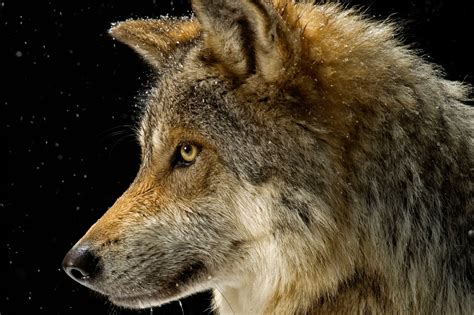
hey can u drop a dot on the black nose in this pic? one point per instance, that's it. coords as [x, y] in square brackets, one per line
[81, 263]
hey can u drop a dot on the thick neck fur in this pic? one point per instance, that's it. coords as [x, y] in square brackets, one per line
[407, 236]
[284, 288]
[401, 230]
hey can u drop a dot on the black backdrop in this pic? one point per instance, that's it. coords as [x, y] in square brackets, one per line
[67, 99]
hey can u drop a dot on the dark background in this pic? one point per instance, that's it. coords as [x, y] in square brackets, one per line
[68, 99]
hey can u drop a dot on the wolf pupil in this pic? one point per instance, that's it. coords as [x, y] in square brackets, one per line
[187, 149]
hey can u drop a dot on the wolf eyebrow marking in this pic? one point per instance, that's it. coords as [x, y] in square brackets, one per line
[156, 138]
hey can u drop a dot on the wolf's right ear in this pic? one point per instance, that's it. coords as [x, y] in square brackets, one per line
[155, 40]
[244, 37]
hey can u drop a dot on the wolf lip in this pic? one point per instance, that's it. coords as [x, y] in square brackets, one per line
[135, 301]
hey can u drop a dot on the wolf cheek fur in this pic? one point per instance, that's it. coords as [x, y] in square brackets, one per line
[333, 173]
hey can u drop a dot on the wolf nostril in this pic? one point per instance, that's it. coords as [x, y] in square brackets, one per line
[78, 274]
[81, 263]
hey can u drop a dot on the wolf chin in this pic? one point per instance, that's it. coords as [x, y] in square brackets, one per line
[295, 159]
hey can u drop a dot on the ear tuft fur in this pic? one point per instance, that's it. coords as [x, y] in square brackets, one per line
[155, 40]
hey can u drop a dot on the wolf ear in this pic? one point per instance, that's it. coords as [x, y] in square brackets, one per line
[155, 40]
[244, 37]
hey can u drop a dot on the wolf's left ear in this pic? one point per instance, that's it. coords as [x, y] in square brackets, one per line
[244, 37]
[155, 40]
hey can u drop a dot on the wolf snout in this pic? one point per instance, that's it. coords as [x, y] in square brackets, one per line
[82, 264]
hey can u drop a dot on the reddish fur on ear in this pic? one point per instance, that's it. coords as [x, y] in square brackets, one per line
[155, 40]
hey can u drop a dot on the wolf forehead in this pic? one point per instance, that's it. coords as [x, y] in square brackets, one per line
[204, 107]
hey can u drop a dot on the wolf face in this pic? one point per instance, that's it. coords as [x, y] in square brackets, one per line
[184, 226]
[262, 174]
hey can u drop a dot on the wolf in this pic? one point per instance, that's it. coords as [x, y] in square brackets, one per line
[296, 158]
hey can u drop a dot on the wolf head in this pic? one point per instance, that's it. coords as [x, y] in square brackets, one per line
[241, 180]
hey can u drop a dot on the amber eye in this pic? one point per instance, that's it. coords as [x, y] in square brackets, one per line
[188, 152]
